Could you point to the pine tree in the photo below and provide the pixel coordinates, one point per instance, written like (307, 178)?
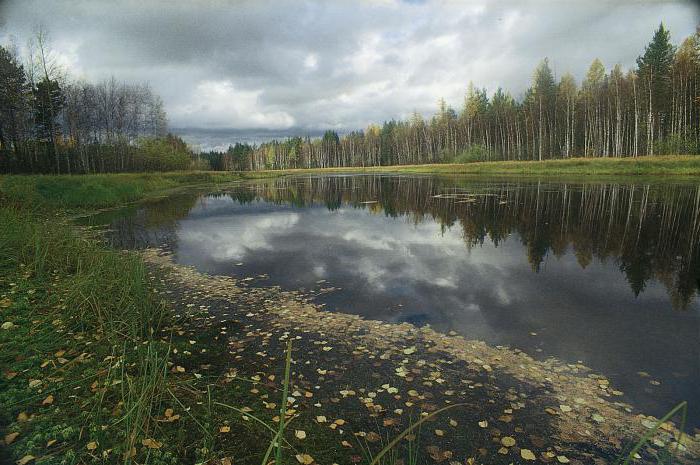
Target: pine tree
(655, 72)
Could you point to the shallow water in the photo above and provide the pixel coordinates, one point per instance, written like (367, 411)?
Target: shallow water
(606, 274)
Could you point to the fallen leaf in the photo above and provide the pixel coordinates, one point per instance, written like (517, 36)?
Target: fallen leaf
(152, 443)
(527, 454)
(224, 429)
(484, 424)
(92, 445)
(25, 460)
(409, 351)
(321, 419)
(50, 443)
(300, 434)
(304, 459)
(10, 438)
(48, 400)
(507, 441)
(439, 432)
(562, 459)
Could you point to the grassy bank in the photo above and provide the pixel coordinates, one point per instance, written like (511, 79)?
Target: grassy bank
(671, 165)
(61, 193)
(81, 365)
(86, 345)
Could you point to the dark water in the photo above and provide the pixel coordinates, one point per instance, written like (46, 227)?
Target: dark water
(602, 273)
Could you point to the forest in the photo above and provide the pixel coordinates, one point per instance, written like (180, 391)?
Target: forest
(652, 109)
(50, 123)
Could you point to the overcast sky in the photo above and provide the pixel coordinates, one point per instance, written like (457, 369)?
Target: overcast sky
(307, 65)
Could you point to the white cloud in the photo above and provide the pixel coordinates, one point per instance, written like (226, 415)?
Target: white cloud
(220, 104)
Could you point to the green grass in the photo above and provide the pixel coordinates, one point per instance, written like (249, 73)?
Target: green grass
(105, 190)
(84, 322)
(670, 165)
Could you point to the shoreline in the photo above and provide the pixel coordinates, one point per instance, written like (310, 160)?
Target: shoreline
(508, 389)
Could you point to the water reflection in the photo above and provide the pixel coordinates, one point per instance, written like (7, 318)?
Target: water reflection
(604, 273)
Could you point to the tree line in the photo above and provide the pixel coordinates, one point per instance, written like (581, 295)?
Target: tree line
(651, 109)
(52, 124)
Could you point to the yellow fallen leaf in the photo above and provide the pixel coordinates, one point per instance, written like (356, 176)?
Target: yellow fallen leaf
(226, 461)
(10, 438)
(409, 351)
(321, 419)
(439, 432)
(92, 445)
(22, 416)
(300, 434)
(50, 443)
(224, 429)
(507, 441)
(304, 459)
(562, 459)
(484, 424)
(25, 460)
(453, 422)
(169, 412)
(152, 443)
(48, 400)
(527, 454)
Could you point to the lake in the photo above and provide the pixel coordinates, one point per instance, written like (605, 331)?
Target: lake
(601, 273)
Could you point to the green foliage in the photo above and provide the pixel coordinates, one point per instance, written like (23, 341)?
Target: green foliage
(677, 144)
(475, 152)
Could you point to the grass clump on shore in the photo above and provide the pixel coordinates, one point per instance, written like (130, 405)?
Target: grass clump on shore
(80, 364)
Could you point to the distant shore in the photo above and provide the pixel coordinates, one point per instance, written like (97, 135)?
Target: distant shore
(666, 165)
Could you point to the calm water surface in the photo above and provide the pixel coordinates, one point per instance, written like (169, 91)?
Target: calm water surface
(602, 273)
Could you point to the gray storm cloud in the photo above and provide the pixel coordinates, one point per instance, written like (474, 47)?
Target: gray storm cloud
(334, 64)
